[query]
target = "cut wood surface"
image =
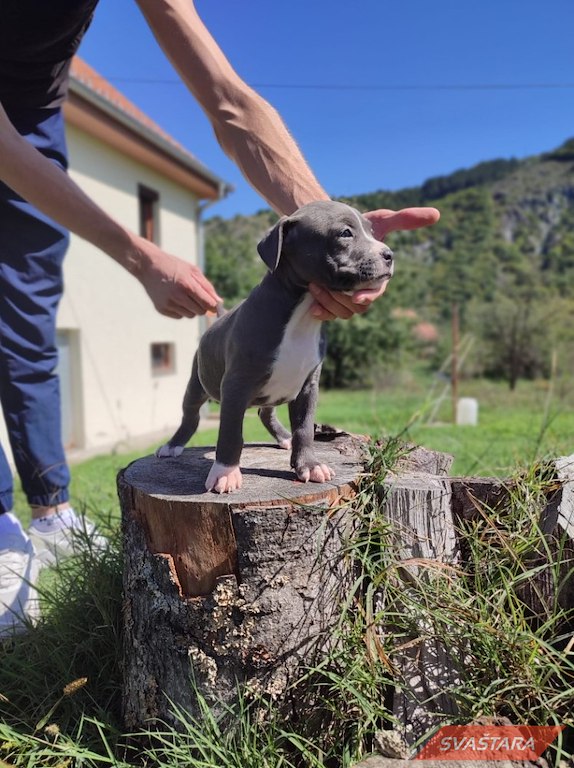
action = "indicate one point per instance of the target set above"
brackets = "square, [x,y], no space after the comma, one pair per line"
[194,526]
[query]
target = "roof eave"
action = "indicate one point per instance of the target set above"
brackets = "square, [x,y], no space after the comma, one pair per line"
[182,158]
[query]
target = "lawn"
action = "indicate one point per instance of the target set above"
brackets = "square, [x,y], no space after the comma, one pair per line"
[514,429]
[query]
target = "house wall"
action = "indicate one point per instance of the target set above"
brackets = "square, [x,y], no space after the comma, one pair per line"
[106,318]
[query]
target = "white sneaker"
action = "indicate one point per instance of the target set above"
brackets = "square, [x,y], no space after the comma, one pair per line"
[19,569]
[63,534]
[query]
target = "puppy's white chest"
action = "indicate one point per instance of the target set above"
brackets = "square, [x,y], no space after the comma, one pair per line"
[297,356]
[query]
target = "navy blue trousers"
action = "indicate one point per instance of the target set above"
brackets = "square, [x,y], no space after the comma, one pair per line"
[32,249]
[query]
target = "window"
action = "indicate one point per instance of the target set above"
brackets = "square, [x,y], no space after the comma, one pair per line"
[162,358]
[148,206]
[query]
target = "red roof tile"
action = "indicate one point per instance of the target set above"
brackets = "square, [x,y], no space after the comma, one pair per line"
[87,75]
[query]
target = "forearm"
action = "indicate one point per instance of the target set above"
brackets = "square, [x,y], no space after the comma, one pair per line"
[53,192]
[257,140]
[248,128]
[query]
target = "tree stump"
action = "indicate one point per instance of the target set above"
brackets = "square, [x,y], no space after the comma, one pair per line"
[416,501]
[233,589]
[551,561]
[429,511]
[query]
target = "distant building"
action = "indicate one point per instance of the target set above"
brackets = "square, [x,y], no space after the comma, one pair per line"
[123,366]
[426,333]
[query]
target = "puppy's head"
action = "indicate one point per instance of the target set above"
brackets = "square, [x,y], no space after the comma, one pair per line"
[328,243]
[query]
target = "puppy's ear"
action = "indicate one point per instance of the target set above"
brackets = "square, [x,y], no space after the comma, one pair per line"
[269,248]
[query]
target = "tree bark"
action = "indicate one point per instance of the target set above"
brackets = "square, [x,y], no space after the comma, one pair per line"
[232,589]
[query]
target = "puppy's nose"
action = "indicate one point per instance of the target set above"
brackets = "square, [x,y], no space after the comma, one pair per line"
[387,255]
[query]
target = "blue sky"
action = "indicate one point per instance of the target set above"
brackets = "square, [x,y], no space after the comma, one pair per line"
[378,94]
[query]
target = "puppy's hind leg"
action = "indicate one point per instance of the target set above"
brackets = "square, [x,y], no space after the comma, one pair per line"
[268,416]
[195,397]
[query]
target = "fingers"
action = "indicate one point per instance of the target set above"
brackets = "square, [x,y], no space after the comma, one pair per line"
[330,305]
[385,221]
[189,292]
[365,298]
[177,301]
[205,290]
[189,296]
[177,289]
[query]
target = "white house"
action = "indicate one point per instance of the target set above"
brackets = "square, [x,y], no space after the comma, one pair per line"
[123,366]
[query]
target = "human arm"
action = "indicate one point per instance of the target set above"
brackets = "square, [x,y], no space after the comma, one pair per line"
[177,288]
[252,133]
[248,128]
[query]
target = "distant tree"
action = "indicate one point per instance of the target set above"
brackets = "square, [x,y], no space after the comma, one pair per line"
[516,336]
[231,259]
[232,267]
[558,259]
[515,327]
[360,349]
[403,198]
[564,153]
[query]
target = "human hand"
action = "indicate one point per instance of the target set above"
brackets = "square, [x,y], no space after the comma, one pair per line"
[329,305]
[177,288]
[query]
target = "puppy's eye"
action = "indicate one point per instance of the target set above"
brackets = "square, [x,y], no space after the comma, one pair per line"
[346,233]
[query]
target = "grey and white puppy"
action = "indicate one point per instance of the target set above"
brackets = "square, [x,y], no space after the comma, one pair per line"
[268,350]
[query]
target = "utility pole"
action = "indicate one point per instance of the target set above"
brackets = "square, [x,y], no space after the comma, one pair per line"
[454,359]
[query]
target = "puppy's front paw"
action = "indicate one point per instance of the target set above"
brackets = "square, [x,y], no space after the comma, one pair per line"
[169,450]
[223,479]
[314,472]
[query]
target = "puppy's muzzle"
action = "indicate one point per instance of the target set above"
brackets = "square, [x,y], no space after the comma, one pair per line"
[373,272]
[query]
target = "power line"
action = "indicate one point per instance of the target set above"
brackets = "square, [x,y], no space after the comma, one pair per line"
[375,87]
[437,87]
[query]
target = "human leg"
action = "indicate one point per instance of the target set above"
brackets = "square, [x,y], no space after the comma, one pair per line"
[6,484]
[31,253]
[32,250]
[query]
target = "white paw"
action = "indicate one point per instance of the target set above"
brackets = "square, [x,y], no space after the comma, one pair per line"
[285,444]
[169,450]
[223,479]
[319,473]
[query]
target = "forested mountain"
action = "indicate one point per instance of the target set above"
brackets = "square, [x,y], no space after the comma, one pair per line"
[503,251]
